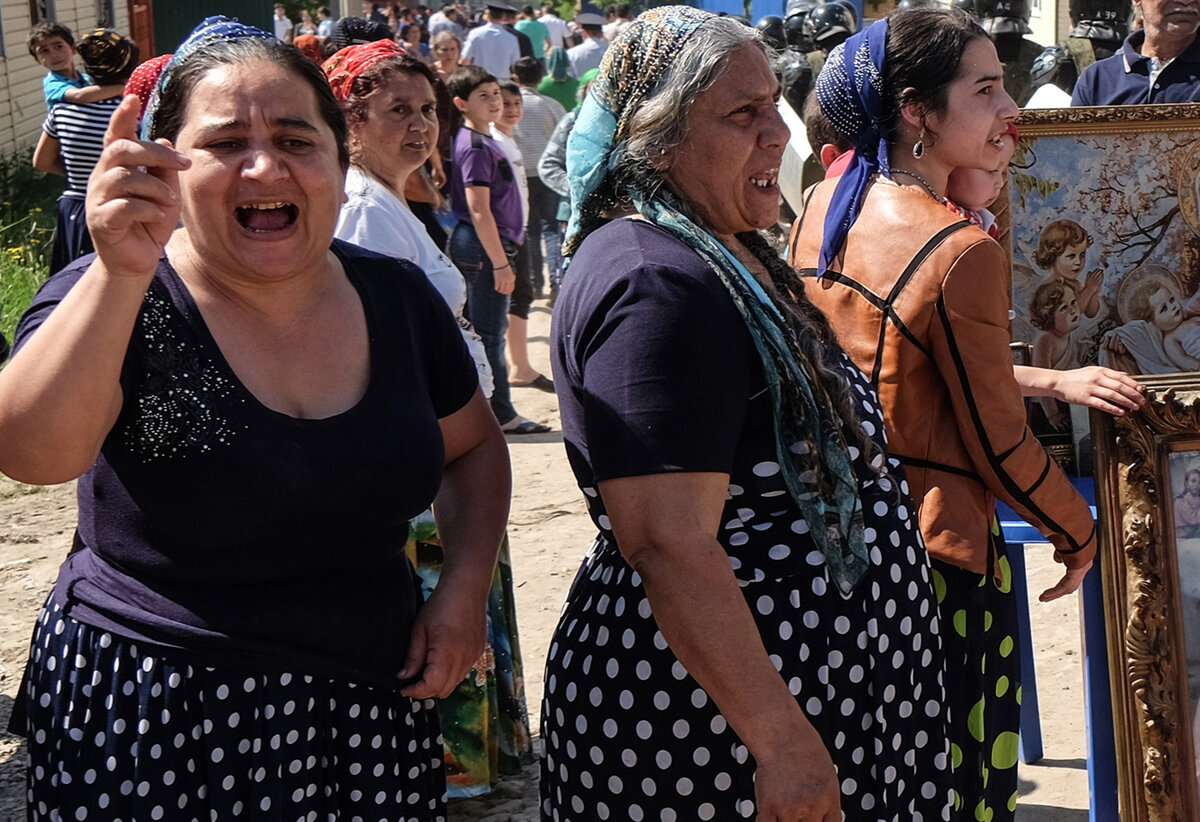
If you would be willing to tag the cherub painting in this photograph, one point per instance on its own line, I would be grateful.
(1054, 311)
(1061, 252)
(1160, 331)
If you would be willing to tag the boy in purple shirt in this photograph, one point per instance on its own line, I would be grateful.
(486, 200)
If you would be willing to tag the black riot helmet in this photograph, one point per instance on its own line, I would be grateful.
(850, 8)
(905, 5)
(771, 28)
(829, 24)
(1100, 11)
(971, 7)
(1005, 16)
(798, 7)
(1101, 20)
(795, 13)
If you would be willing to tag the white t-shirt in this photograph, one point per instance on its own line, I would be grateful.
(559, 30)
(374, 218)
(282, 27)
(513, 152)
(493, 48)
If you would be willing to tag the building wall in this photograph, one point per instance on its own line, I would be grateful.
(22, 106)
(1044, 21)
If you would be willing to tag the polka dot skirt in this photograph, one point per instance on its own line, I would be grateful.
(117, 734)
(629, 735)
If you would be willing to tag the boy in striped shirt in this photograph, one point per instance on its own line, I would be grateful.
(73, 137)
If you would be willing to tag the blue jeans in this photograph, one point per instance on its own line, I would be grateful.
(543, 225)
(486, 309)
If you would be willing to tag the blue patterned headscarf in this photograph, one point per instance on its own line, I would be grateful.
(812, 454)
(850, 92)
(212, 30)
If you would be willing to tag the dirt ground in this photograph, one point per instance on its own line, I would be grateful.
(549, 533)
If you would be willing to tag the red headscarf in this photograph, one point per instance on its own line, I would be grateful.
(310, 45)
(347, 65)
(145, 77)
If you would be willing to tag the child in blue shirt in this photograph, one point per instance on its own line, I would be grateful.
(53, 45)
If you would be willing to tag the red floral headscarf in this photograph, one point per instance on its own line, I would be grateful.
(145, 77)
(347, 65)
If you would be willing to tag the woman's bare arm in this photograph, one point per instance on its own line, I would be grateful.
(60, 394)
(471, 511)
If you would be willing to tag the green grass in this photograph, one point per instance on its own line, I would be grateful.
(27, 216)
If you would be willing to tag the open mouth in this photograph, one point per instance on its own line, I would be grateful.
(767, 179)
(263, 218)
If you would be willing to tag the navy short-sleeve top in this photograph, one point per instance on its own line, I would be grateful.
(215, 525)
(657, 373)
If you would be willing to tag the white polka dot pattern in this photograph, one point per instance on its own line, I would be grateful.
(120, 734)
(860, 667)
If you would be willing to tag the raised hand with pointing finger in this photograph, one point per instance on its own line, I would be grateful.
(133, 196)
(253, 410)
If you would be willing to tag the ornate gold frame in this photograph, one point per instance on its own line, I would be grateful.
(1144, 628)
(1086, 120)
(1053, 122)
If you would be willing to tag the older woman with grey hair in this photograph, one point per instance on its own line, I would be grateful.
(754, 630)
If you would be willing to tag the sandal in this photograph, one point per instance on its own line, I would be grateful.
(520, 425)
(541, 382)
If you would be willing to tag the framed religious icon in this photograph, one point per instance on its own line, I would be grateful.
(1104, 231)
(1148, 513)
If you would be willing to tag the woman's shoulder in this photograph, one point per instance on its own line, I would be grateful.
(898, 227)
(644, 269)
(622, 246)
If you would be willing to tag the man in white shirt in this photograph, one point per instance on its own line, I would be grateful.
(325, 22)
(623, 18)
(283, 26)
(588, 54)
(491, 46)
(445, 20)
(559, 30)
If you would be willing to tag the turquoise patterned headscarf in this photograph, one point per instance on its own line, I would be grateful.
(812, 453)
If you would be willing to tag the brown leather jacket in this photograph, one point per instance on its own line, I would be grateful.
(919, 300)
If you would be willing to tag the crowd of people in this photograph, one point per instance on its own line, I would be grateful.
(279, 352)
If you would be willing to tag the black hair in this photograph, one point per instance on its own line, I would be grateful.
(529, 71)
(46, 30)
(172, 111)
(466, 79)
(924, 48)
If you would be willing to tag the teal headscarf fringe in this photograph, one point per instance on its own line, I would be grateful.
(813, 456)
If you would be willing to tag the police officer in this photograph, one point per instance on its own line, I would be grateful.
(1100, 26)
(1007, 21)
(796, 12)
(971, 7)
(825, 27)
(791, 67)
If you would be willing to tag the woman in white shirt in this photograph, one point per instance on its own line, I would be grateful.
(391, 102)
